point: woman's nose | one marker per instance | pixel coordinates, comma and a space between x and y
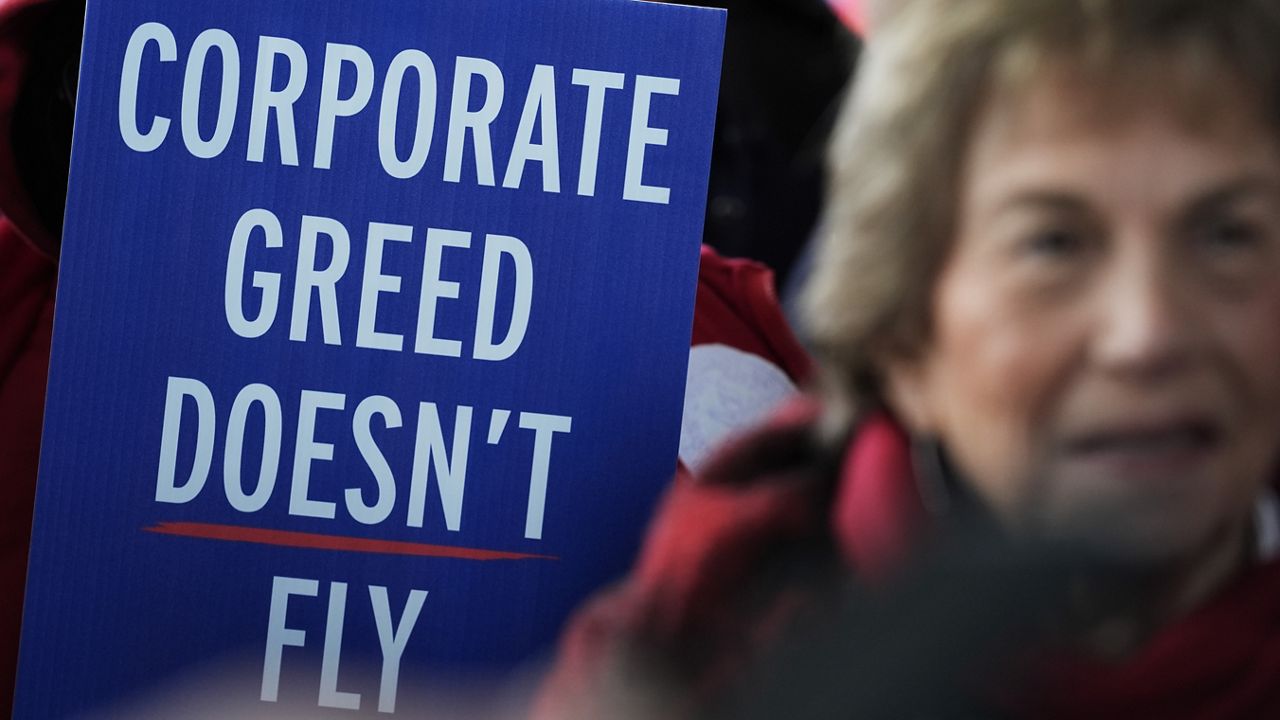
1146, 325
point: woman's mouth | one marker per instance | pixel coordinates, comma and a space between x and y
1141, 451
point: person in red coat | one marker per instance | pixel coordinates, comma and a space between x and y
1039, 481
38, 42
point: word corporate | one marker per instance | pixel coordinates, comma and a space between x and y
473, 78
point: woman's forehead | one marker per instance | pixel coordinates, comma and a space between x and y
1071, 124
1094, 93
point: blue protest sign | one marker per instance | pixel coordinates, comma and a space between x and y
371, 339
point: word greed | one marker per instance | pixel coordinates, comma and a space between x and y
320, 283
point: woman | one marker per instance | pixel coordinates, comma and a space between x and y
1049, 303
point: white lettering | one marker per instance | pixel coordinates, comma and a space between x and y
361, 426
495, 247
167, 490
267, 282
434, 289
642, 136
129, 76
330, 696
462, 119
279, 635
540, 107
544, 427
273, 422
331, 106
226, 46
376, 283
307, 450
450, 469
324, 282
393, 639
266, 99
597, 83
390, 115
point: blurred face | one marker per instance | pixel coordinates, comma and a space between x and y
1105, 340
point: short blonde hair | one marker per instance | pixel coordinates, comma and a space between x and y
900, 145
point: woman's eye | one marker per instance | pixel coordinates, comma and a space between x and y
1229, 234
1052, 243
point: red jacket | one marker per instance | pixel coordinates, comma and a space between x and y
27, 280
690, 620
26, 301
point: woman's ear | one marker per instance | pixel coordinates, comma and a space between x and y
906, 390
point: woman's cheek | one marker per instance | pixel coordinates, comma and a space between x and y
1006, 367
1251, 355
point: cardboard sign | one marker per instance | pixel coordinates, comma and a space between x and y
371, 339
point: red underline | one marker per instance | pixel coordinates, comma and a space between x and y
288, 538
